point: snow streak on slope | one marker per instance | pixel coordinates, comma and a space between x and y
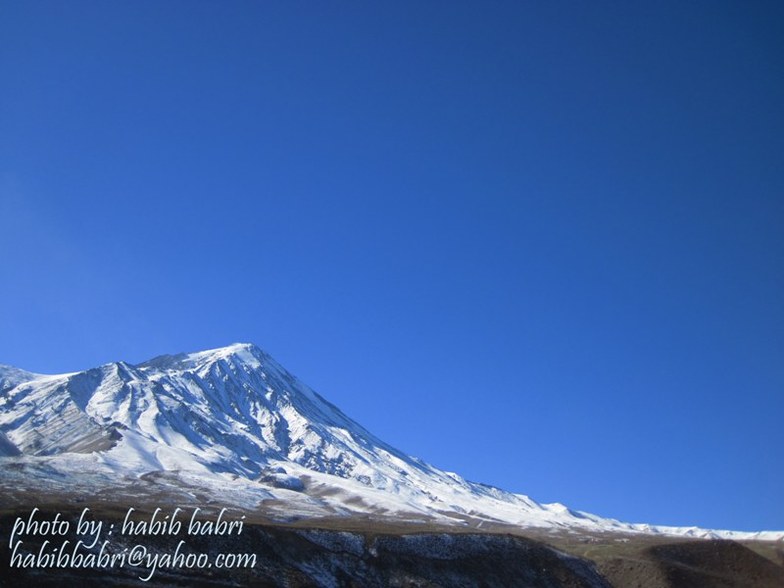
233, 420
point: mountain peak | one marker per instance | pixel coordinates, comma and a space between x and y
244, 353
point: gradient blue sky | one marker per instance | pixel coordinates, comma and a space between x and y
537, 243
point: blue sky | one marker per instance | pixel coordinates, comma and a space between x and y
536, 243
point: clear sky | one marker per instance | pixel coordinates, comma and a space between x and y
537, 243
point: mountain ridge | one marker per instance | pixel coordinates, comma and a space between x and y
234, 414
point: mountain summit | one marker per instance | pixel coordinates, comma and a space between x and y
231, 425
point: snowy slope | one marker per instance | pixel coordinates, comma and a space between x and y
233, 422
11, 376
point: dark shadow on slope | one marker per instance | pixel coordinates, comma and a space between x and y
692, 564
719, 564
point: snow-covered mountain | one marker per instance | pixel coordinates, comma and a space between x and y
232, 425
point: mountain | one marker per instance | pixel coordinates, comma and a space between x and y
232, 426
